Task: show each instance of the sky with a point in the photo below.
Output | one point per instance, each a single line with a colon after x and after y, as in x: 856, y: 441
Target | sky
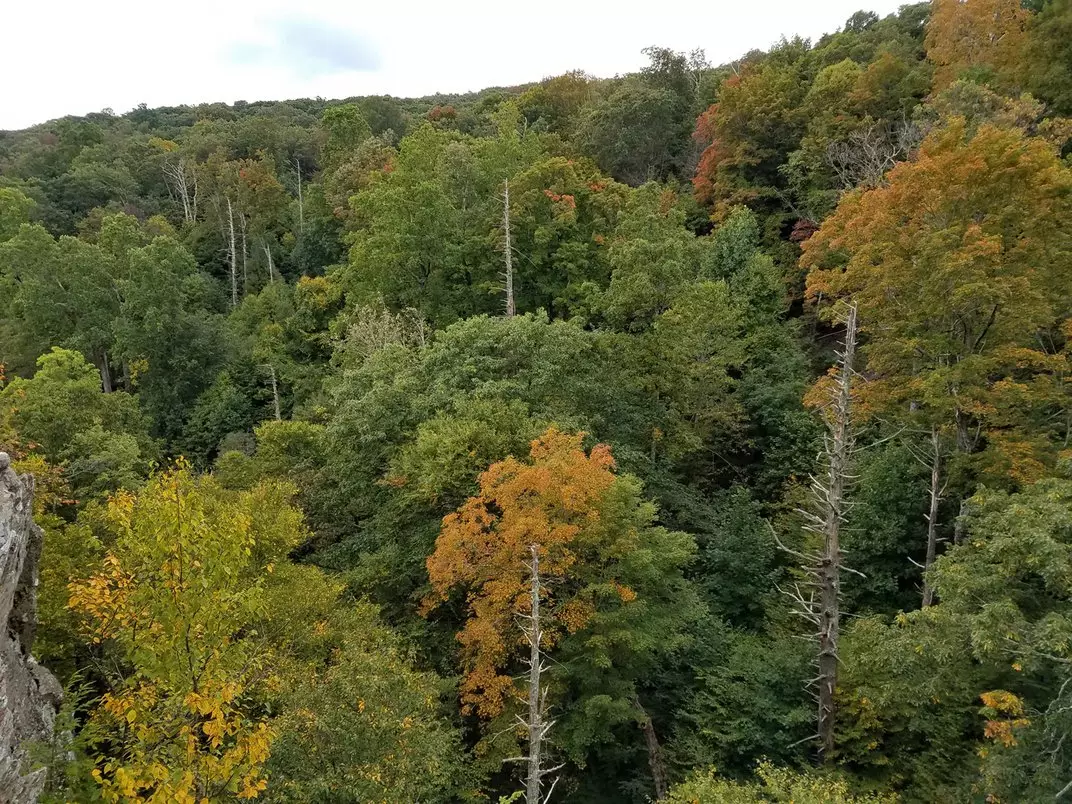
x: 62, y: 57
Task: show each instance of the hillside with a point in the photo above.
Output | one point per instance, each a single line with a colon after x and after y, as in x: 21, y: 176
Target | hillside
x: 699, y: 434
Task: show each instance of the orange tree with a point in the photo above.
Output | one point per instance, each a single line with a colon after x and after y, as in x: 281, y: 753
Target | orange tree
x: 614, y: 600
x: 965, y: 36
x: 960, y: 267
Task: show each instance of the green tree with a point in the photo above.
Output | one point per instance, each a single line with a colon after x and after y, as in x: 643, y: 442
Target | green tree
x: 364, y: 725
x: 166, y: 333
x: 100, y: 439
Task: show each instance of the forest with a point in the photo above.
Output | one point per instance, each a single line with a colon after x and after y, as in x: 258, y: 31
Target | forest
x: 698, y: 435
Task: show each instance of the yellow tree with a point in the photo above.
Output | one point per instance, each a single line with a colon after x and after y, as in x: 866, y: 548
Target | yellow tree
x: 965, y: 35
x: 172, y: 606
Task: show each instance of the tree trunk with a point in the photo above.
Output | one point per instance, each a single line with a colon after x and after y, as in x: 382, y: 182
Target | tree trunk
x: 275, y: 393
x: 508, y: 252
x: 271, y: 267
x: 932, y: 516
x: 535, y: 724
x: 301, y: 201
x: 245, y: 254
x: 106, y: 373
x: 655, y: 753
x: 839, y: 453
x: 233, y: 255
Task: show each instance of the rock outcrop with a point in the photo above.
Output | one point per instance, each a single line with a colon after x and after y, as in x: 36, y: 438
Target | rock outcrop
x: 29, y: 694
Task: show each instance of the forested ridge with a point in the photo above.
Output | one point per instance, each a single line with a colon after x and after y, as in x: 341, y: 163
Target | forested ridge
x: 699, y: 434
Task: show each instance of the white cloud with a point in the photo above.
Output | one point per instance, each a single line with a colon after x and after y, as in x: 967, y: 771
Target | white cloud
x: 72, y: 57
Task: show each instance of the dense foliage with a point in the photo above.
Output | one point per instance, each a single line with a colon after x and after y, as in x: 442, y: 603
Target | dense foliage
x: 308, y: 387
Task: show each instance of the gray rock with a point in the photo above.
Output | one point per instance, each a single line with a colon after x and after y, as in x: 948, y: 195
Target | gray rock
x: 29, y: 694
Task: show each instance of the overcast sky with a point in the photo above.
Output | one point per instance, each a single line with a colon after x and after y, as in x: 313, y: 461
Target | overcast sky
x: 62, y: 57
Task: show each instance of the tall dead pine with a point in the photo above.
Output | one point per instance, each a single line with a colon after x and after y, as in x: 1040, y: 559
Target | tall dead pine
x: 817, y: 596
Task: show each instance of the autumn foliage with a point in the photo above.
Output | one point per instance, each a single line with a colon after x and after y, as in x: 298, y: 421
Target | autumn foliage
x: 553, y: 502
x: 956, y: 265
x: 965, y: 35
x: 176, y: 598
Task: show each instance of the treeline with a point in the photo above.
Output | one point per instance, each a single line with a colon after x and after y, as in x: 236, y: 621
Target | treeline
x: 322, y: 396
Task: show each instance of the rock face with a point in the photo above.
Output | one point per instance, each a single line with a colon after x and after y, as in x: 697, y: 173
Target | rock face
x: 29, y: 694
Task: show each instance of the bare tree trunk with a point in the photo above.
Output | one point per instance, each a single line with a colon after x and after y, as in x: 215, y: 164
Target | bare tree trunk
x: 839, y: 449
x: 233, y: 255
x: 195, y: 197
x: 271, y: 268
x: 536, y: 726
x: 180, y: 179
x: 275, y: 393
x: 106, y: 373
x: 655, y: 753
x: 932, y: 515
x: 245, y: 253
x: 301, y: 201
x: 508, y: 252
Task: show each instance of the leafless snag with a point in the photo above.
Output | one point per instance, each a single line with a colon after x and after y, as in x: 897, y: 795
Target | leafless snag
x: 863, y: 159
x: 537, y: 725
x: 508, y: 253
x: 816, y: 598
x: 232, y: 254
x: 181, y: 180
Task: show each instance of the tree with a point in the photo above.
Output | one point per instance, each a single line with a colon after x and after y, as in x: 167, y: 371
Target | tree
x: 166, y: 333
x: 612, y: 598
x: 957, y: 266
x: 175, y: 600
x: 830, y: 492
x: 965, y: 36
x: 101, y: 440
x: 1048, y: 58
x: 15, y: 210
x: 346, y: 128
x: 636, y: 134
x: 64, y: 294
x: 358, y: 723
x: 748, y: 134
x: 773, y: 785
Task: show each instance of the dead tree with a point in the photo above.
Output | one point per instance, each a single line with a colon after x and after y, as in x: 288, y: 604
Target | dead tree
x: 275, y: 391
x: 937, y: 491
x: 508, y: 253
x: 301, y: 201
x: 863, y: 158
x: 536, y: 725
x: 655, y: 752
x: 182, y: 182
x: 817, y: 595
x: 245, y: 253
x: 271, y: 267
x: 232, y: 255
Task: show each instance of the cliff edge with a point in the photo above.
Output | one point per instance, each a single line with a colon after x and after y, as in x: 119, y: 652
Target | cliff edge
x: 29, y: 694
